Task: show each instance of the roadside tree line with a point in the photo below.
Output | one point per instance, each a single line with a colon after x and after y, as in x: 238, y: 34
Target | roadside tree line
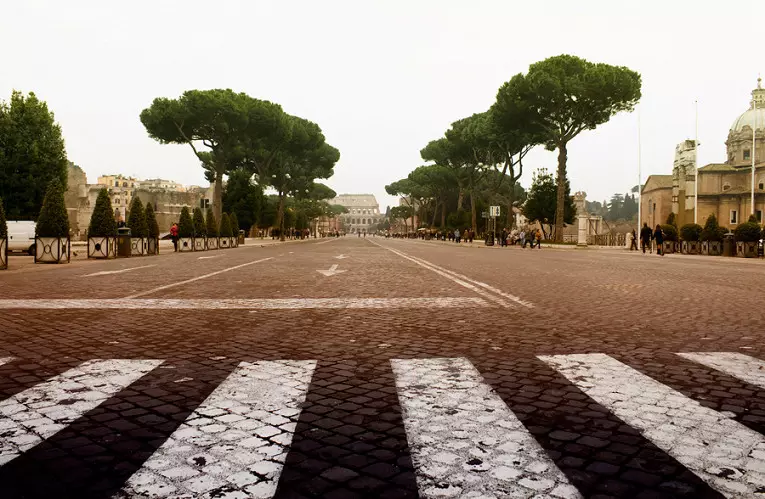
x: 479, y: 159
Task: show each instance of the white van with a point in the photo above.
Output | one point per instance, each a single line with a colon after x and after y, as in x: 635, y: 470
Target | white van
x: 21, y: 236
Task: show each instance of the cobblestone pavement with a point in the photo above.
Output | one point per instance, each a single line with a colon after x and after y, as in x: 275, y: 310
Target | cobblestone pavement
x: 411, y: 369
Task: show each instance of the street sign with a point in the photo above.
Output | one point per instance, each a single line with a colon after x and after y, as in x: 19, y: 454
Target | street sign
x: 484, y: 214
x: 494, y: 211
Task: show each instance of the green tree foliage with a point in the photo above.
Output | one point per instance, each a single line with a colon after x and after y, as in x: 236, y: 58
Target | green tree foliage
x: 53, y: 220
x: 152, y: 227
x: 199, y: 228
x: 690, y: 232
x: 565, y: 95
x: 32, y: 154
x: 102, y: 222
x: 3, y: 222
x: 752, y: 218
x: 712, y: 230
x: 670, y: 232
x: 225, y: 226
x: 672, y: 220
x: 541, y: 201
x: 748, y: 232
x: 402, y: 213
x: 234, y: 225
x: 185, y: 225
x: 212, y: 224
x: 243, y: 198
x: 137, y: 219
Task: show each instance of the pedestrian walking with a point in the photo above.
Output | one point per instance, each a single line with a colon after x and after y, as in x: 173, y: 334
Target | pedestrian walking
x: 457, y: 235
x: 645, y: 238
x: 522, y: 236
x: 658, y: 236
x: 503, y: 242
x: 633, y: 244
x: 174, y: 235
x: 539, y: 239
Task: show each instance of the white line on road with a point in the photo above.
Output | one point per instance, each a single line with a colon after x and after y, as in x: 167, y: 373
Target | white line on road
x: 235, y: 443
x: 236, y: 303
x: 738, y: 365
x: 207, y: 257
x: 332, y: 271
x: 108, y: 272
x: 187, y: 281
x: 464, y: 440
x: 724, y: 453
x: 341, y: 257
x: 5, y: 360
x: 325, y: 242
x: 443, y: 272
x: 29, y: 417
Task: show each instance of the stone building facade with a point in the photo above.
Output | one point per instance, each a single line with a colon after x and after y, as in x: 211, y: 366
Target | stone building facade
x: 363, y: 212
x: 80, y: 198
x: 725, y: 189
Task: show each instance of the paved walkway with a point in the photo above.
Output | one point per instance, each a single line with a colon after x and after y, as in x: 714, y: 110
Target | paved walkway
x: 383, y: 368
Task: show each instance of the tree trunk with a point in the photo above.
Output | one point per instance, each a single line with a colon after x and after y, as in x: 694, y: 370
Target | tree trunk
x: 510, y: 201
x: 460, y: 198
x: 443, y: 215
x: 473, y: 211
x: 280, y: 216
x: 218, y: 195
x: 435, y: 214
x: 560, y: 198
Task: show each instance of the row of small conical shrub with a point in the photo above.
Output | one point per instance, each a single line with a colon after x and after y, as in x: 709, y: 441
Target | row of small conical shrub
x: 201, y: 226
x: 141, y: 221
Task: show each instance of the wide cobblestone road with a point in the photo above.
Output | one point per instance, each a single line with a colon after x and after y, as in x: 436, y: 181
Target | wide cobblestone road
x: 354, y: 367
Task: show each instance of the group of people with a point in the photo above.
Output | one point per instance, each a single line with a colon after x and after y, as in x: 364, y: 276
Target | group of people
x: 646, y: 236
x: 522, y: 237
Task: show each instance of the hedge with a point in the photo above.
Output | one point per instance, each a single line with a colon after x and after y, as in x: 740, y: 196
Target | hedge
x: 185, y: 225
x: 712, y: 230
x: 200, y: 230
x: 670, y: 232
x: 234, y: 225
x: 212, y: 224
x: 225, y: 226
x: 690, y: 232
x: 102, y: 222
x: 748, y: 232
x: 152, y: 227
x: 3, y: 223
x: 672, y: 220
x: 137, y: 219
x: 53, y: 220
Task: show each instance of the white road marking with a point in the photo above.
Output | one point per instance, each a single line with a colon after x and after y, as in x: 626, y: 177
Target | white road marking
x: 108, y: 272
x: 187, y: 281
x: 325, y: 242
x: 235, y: 443
x: 341, y: 257
x: 29, y: 417
x: 5, y: 360
x: 440, y: 272
x: 724, y: 453
x: 738, y: 365
x: 207, y: 257
x: 464, y: 440
x: 234, y: 303
x: 332, y: 271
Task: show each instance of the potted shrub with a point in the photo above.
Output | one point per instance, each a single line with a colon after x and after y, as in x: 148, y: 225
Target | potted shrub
x: 102, y: 231
x: 212, y: 230
x: 185, y: 231
x: 225, y: 232
x: 711, y: 237
x: 52, y: 244
x: 3, y: 238
x: 690, y: 233
x: 200, y: 230
x: 152, y: 231
x: 747, y: 237
x: 137, y: 223
x: 234, y: 230
x: 670, y: 238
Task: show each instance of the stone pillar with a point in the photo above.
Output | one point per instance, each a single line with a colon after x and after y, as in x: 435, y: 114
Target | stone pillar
x: 581, y: 241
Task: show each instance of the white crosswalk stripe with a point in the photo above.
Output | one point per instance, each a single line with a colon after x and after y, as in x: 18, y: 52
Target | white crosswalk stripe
x: 738, y: 365
x: 726, y: 454
x: 235, y: 443
x: 464, y: 440
x: 29, y: 417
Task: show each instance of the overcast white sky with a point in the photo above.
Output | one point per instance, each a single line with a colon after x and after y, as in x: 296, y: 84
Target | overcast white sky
x: 381, y: 78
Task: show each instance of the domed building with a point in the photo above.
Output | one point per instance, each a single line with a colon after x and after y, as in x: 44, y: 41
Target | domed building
x: 725, y: 189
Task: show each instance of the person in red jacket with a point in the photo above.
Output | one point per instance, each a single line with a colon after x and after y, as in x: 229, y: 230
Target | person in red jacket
x: 174, y: 236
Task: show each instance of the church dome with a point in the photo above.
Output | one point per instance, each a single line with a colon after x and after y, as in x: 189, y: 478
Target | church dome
x: 755, y: 115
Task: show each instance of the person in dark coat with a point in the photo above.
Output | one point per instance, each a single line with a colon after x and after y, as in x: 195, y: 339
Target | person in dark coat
x: 645, y: 237
x: 658, y: 236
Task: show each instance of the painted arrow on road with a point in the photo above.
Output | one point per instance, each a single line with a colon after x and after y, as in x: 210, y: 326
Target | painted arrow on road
x: 332, y: 271
x: 340, y: 257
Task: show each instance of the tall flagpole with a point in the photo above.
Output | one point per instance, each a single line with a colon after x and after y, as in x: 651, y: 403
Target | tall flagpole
x: 640, y: 179
x: 696, y: 167
x: 754, y: 146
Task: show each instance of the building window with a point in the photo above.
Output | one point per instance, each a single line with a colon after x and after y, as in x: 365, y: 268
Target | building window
x: 124, y: 184
x: 759, y: 216
x: 733, y: 217
x: 726, y: 187
x: 761, y: 186
x: 747, y: 154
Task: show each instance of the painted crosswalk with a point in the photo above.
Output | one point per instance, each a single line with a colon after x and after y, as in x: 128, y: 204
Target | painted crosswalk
x: 464, y: 440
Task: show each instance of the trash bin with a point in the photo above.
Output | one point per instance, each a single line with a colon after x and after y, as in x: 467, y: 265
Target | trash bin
x: 729, y: 245
x: 241, y: 237
x: 123, y: 242
x: 489, y: 239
